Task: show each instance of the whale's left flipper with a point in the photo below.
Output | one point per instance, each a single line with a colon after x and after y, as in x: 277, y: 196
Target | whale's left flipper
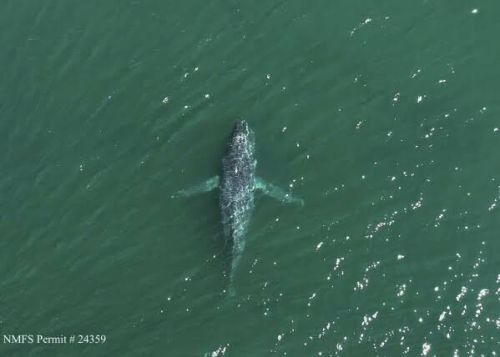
x: 209, y: 185
x: 276, y: 192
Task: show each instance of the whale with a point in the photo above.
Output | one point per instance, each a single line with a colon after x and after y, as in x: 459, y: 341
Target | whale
x: 237, y: 185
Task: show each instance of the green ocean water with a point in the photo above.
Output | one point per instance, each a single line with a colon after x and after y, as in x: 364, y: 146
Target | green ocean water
x: 384, y: 117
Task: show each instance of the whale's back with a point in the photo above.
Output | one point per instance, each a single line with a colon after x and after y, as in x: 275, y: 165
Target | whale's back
x: 237, y: 185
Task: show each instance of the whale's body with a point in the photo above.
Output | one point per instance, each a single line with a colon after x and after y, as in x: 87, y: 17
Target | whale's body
x: 237, y: 188
x: 237, y: 184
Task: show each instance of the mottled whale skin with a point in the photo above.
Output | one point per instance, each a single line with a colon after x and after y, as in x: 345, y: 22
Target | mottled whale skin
x: 237, y: 184
x: 237, y: 188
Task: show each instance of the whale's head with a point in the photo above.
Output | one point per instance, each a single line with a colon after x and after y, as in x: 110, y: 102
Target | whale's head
x: 241, y: 128
x: 242, y: 144
x: 243, y: 136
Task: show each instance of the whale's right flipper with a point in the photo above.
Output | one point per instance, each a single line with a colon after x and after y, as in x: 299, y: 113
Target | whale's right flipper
x: 276, y: 192
x: 209, y: 185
